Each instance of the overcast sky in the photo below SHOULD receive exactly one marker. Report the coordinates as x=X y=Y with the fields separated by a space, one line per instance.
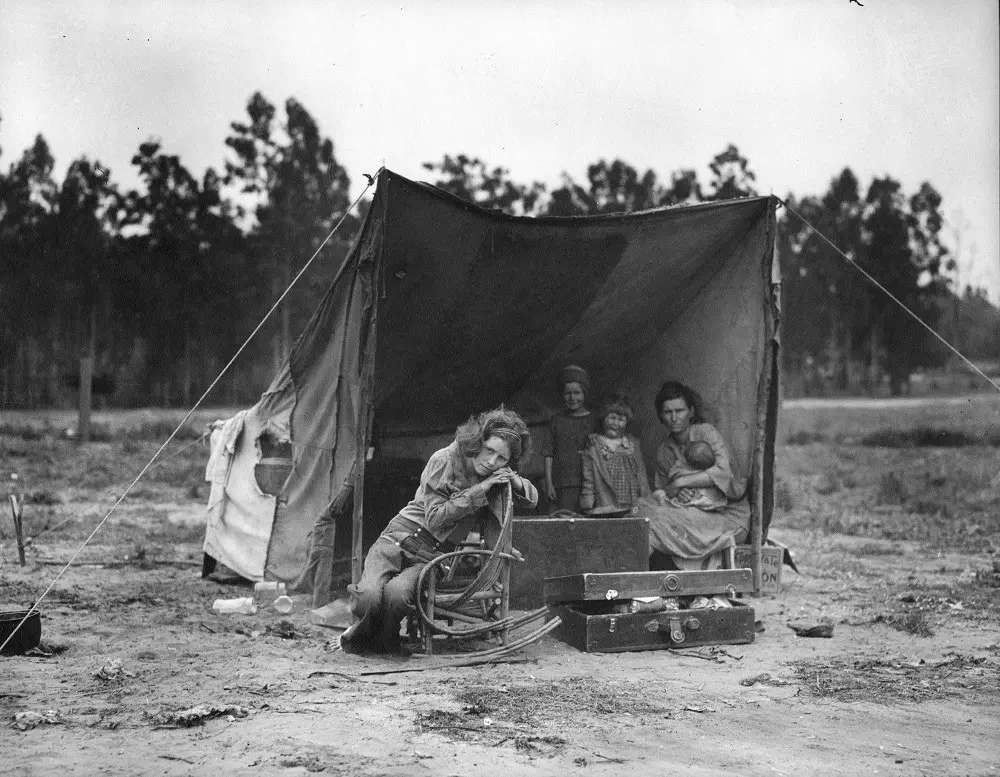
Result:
x=907 y=88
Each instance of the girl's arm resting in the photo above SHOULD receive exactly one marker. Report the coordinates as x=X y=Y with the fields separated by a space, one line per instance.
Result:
x=443 y=508
x=664 y=463
x=587 y=487
x=643 y=477
x=527 y=495
x=550 y=489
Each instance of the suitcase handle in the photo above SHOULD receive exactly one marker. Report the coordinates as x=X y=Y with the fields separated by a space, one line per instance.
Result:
x=673 y=627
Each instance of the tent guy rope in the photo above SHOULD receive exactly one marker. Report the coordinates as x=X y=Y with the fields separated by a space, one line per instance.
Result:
x=894 y=298
x=190 y=412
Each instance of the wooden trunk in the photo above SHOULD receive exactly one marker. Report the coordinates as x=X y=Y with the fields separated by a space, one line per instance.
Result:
x=553 y=547
x=591 y=605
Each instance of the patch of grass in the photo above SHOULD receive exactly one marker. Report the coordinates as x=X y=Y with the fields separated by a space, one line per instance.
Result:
x=911 y=622
x=161 y=429
x=805 y=437
x=534 y=703
x=43 y=497
x=890 y=680
x=783 y=495
x=867 y=549
x=23 y=431
x=930 y=437
x=891 y=489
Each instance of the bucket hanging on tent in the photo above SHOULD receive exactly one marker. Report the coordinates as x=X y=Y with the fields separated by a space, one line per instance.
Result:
x=274 y=467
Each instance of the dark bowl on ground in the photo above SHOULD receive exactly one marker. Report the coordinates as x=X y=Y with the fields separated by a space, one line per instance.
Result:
x=26 y=637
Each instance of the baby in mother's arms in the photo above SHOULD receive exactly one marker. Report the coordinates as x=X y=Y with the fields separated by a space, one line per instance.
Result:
x=696 y=456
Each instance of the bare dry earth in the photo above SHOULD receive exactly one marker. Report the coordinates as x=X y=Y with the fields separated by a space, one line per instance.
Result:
x=895 y=546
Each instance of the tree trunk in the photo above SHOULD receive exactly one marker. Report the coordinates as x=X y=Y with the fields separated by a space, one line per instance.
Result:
x=54 y=388
x=186 y=389
x=286 y=314
x=833 y=354
x=280 y=344
x=848 y=354
x=874 y=363
x=86 y=381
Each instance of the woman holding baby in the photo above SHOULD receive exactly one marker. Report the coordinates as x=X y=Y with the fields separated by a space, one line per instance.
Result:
x=698 y=507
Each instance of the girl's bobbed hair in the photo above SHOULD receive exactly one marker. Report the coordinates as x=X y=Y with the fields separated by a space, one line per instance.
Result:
x=674 y=389
x=616 y=403
x=502 y=423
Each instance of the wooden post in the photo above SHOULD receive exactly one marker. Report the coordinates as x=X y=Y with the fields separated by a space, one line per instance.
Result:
x=83 y=421
x=16 y=506
x=86 y=382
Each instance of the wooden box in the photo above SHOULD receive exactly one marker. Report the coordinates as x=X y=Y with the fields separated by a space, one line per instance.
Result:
x=771 y=559
x=553 y=547
x=590 y=607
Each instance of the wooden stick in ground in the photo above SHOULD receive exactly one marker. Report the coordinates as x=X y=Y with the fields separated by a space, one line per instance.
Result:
x=15 y=507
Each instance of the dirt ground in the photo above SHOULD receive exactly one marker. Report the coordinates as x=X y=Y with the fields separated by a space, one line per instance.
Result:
x=895 y=545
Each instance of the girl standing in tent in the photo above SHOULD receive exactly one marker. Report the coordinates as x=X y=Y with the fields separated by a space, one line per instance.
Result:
x=692 y=535
x=567 y=437
x=614 y=474
x=449 y=502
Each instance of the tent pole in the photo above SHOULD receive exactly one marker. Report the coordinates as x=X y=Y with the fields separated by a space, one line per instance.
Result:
x=757 y=520
x=366 y=404
x=361 y=453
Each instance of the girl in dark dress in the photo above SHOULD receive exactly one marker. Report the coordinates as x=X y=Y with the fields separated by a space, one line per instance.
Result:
x=567 y=437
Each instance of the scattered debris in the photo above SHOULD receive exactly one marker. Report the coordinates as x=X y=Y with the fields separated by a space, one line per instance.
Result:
x=47 y=650
x=889 y=680
x=764 y=678
x=24 y=721
x=539 y=745
x=176 y=758
x=824 y=630
x=283 y=629
x=310 y=761
x=334 y=615
x=196 y=716
x=911 y=622
x=706 y=652
x=113 y=671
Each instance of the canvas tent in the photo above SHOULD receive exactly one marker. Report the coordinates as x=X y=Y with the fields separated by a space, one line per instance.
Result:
x=442 y=309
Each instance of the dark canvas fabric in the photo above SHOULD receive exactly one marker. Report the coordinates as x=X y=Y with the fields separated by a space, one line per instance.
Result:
x=475 y=308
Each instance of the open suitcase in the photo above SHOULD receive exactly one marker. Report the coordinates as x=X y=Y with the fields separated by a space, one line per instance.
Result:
x=596 y=609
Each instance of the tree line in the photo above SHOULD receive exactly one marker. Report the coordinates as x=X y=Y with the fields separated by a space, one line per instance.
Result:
x=161 y=284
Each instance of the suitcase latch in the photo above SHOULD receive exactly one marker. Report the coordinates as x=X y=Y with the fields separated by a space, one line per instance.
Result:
x=612 y=624
x=671 y=582
x=676 y=632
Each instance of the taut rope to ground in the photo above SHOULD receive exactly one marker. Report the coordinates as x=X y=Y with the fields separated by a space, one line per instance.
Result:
x=190 y=412
x=894 y=298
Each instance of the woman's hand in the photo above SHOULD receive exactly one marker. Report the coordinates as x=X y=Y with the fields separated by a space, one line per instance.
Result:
x=503 y=475
x=672 y=489
x=685 y=495
x=659 y=497
x=515 y=480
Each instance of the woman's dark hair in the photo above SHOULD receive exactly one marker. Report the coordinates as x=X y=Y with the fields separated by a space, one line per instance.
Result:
x=616 y=403
x=502 y=423
x=674 y=389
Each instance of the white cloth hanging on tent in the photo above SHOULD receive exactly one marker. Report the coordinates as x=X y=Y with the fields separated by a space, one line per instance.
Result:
x=235 y=535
